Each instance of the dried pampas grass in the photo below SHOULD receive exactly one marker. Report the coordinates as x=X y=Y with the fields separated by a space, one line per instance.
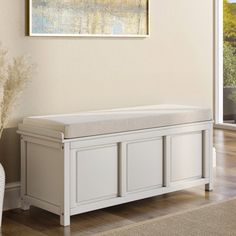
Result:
x=13 y=79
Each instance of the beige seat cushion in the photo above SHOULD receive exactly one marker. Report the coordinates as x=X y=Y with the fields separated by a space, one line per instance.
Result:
x=119 y=120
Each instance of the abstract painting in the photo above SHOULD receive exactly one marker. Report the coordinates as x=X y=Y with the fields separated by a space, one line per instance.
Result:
x=89 y=18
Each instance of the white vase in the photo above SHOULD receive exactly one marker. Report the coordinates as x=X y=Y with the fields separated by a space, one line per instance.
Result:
x=2 y=189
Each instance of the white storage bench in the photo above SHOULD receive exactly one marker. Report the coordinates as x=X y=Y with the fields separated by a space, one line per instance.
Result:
x=76 y=163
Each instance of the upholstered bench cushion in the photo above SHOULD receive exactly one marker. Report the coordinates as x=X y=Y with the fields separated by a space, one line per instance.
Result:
x=119 y=120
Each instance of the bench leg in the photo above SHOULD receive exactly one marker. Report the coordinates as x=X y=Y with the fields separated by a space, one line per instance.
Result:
x=209 y=187
x=65 y=219
x=208 y=157
x=65 y=187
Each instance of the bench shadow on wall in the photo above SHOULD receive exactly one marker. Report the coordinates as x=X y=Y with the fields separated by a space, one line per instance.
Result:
x=10 y=154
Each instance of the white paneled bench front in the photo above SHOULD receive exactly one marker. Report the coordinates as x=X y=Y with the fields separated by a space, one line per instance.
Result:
x=76 y=163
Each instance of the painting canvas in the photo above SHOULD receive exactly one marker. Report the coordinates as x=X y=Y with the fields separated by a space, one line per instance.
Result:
x=89 y=17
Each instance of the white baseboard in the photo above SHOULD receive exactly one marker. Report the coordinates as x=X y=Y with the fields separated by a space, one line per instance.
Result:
x=12 y=196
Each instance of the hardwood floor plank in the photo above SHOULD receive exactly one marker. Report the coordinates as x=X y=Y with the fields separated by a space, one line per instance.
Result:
x=12 y=227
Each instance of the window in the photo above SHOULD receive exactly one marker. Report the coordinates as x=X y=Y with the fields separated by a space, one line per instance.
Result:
x=225 y=64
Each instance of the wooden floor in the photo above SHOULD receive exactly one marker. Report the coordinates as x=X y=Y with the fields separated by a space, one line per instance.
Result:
x=38 y=222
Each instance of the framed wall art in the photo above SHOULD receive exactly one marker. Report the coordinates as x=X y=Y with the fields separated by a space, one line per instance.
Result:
x=99 y=18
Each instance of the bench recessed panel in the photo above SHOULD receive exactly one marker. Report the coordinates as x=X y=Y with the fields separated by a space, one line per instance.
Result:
x=144 y=164
x=97 y=173
x=186 y=156
x=43 y=173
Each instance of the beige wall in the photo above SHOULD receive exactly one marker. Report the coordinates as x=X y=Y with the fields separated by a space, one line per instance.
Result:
x=174 y=65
